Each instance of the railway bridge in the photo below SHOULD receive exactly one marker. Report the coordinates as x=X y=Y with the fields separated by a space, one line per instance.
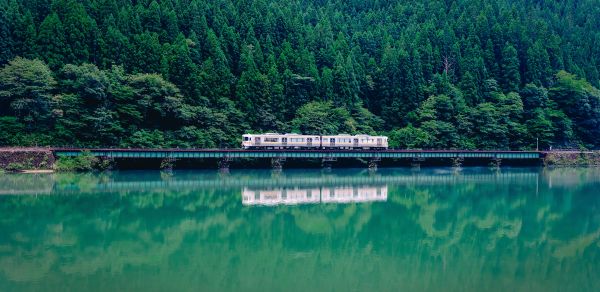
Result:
x=278 y=157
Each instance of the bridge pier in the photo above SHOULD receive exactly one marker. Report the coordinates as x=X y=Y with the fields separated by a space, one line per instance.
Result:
x=373 y=162
x=327 y=162
x=168 y=163
x=224 y=163
x=457 y=162
x=277 y=163
x=107 y=163
x=496 y=162
x=416 y=162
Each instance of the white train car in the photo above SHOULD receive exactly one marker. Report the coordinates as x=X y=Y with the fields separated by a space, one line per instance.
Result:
x=343 y=141
x=297 y=141
x=279 y=141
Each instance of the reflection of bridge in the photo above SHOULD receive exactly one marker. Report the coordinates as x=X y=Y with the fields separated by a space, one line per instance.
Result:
x=51 y=184
x=243 y=181
x=292 y=196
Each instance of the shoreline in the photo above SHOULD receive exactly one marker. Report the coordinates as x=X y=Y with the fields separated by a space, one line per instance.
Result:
x=36 y=171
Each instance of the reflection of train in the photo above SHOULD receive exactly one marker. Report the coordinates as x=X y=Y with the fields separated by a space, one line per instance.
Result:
x=297 y=141
x=292 y=196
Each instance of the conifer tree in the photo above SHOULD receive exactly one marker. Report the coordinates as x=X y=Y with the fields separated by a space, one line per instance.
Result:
x=147 y=53
x=538 y=65
x=253 y=94
x=51 y=41
x=6 y=42
x=115 y=49
x=151 y=18
x=511 y=78
x=183 y=72
x=24 y=36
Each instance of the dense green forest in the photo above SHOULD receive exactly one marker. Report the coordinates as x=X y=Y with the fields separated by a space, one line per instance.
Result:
x=198 y=73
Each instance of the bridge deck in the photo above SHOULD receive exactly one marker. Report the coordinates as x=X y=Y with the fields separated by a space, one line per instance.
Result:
x=238 y=153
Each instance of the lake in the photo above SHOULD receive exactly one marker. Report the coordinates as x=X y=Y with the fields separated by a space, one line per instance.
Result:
x=429 y=229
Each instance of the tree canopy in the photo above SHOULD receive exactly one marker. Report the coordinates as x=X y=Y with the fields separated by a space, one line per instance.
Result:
x=197 y=73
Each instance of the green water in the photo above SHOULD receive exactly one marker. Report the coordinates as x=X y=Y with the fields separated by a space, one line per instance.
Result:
x=302 y=230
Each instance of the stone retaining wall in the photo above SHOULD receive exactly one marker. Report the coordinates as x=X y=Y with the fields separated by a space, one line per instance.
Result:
x=15 y=159
x=587 y=158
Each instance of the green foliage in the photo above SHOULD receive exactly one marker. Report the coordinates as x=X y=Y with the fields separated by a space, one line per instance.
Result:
x=16 y=166
x=580 y=101
x=410 y=137
x=51 y=41
x=11 y=130
x=319 y=118
x=84 y=162
x=197 y=73
x=6 y=42
x=511 y=78
x=26 y=91
x=323 y=118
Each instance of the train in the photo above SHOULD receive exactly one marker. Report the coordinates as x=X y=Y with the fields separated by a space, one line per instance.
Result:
x=314 y=142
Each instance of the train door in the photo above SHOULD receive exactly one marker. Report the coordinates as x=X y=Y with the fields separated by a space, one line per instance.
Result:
x=257 y=141
x=332 y=142
x=379 y=142
x=355 y=142
x=284 y=141
x=309 y=142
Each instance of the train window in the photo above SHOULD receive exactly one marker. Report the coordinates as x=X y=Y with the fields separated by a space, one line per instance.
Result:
x=269 y=139
x=247 y=138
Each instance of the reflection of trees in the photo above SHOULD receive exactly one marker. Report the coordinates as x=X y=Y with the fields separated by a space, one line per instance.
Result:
x=454 y=235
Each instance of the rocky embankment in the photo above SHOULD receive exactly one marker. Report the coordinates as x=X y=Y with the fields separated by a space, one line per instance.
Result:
x=26 y=159
x=572 y=158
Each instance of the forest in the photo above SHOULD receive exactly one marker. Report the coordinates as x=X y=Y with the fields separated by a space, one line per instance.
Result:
x=431 y=74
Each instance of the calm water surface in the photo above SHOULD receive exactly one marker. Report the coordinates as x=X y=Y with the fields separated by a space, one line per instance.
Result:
x=302 y=230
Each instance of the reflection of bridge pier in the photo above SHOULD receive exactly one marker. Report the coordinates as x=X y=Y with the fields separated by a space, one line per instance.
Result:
x=313 y=195
x=150 y=181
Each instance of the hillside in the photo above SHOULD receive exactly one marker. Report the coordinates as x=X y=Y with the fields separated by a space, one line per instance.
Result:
x=472 y=74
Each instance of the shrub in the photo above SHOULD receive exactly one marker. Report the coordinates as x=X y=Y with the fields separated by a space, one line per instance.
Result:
x=83 y=162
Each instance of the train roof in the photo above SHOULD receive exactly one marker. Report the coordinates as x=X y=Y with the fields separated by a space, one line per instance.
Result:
x=296 y=134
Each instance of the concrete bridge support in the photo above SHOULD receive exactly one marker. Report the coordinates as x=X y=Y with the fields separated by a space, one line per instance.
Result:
x=277 y=163
x=457 y=162
x=168 y=163
x=224 y=163
x=496 y=162
x=416 y=162
x=326 y=162
x=373 y=162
